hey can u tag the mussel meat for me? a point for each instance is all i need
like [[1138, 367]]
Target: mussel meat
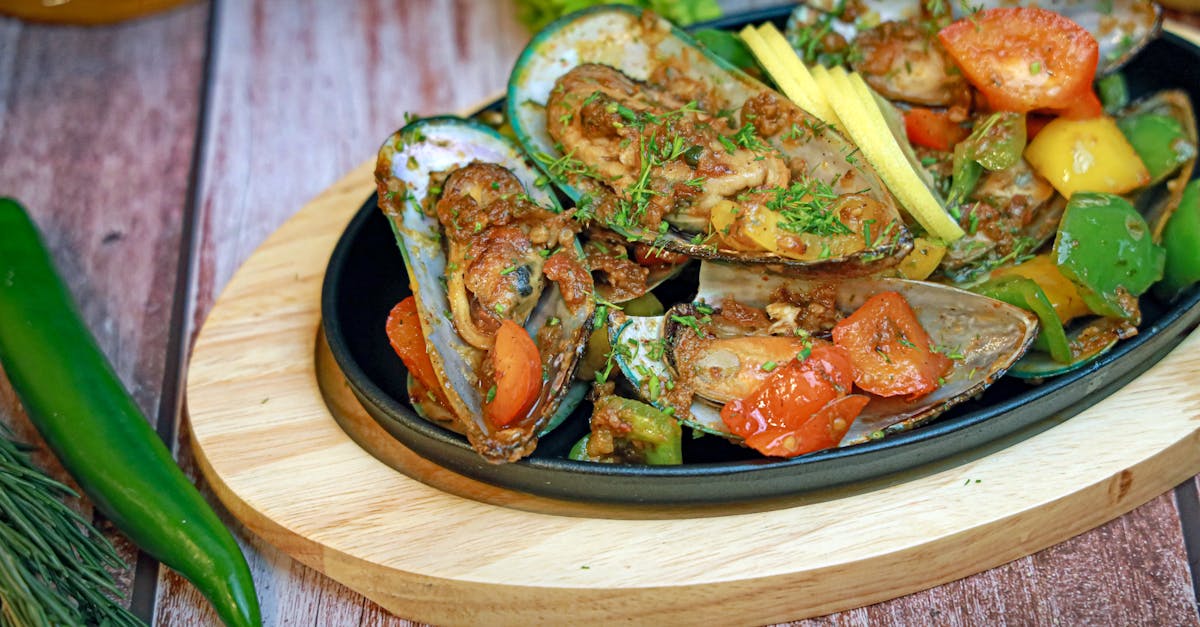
[[485, 247], [666, 144], [745, 322]]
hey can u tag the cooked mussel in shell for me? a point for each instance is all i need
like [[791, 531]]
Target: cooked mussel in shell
[[663, 143], [503, 295], [746, 324]]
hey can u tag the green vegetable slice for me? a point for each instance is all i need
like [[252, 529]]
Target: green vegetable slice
[[655, 436], [1181, 239], [1028, 295], [1113, 92], [1159, 140], [1105, 247], [728, 46]]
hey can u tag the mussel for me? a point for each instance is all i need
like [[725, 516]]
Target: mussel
[[1121, 27], [668, 145], [485, 246], [982, 336]]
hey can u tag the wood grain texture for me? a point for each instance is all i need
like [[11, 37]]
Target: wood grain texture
[[296, 103], [97, 127], [296, 478]]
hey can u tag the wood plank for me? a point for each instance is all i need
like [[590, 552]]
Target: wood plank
[[97, 127], [296, 104]]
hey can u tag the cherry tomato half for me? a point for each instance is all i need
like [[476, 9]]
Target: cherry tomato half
[[518, 375], [1024, 58], [889, 348]]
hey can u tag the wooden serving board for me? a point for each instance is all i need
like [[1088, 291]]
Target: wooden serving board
[[288, 450]]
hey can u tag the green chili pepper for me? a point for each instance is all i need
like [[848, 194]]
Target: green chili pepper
[[1181, 239], [1104, 246], [1159, 140], [965, 175], [658, 434], [91, 423], [1113, 92], [1028, 295]]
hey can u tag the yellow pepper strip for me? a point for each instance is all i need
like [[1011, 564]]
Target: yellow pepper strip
[[787, 81], [866, 126], [796, 69], [922, 261], [1061, 292]]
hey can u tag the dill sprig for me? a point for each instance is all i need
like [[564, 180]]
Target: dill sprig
[[54, 567], [806, 207]]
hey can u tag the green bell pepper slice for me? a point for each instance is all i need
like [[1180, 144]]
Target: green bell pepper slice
[[1105, 247], [995, 144], [654, 433], [1028, 295], [1160, 140], [728, 46], [1181, 239], [1113, 92]]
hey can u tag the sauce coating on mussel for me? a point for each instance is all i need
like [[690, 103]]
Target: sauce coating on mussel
[[501, 248], [652, 159]]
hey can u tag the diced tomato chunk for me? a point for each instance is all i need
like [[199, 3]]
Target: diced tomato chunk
[[517, 365], [1024, 58], [933, 129], [408, 340], [802, 407], [890, 349]]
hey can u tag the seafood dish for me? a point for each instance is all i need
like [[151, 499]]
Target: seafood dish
[[835, 230]]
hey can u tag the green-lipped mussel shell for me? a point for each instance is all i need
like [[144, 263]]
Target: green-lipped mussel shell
[[623, 38], [405, 164]]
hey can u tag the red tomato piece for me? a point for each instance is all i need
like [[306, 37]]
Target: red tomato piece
[[1034, 123], [408, 340], [824, 429], [517, 365], [648, 256], [1023, 58], [933, 129], [786, 415], [889, 348]]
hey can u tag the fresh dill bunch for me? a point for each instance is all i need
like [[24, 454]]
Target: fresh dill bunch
[[53, 564]]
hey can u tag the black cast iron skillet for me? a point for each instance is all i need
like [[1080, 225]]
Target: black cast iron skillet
[[366, 277]]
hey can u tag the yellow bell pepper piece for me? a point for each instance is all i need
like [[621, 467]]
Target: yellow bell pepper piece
[[722, 216], [1086, 156], [1061, 292], [762, 226], [922, 261]]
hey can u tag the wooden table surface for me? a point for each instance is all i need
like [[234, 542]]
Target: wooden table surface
[[156, 154]]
